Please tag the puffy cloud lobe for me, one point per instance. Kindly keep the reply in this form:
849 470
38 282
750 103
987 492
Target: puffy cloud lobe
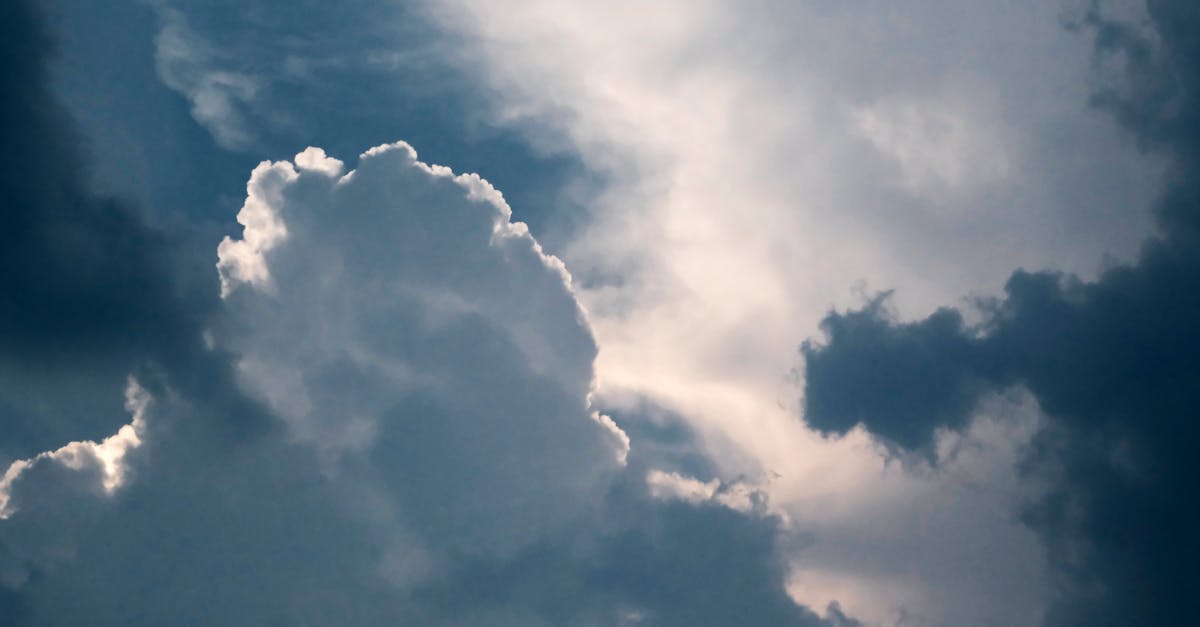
1112 362
107 456
437 337
674 486
241 261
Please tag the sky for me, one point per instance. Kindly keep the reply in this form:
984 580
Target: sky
531 312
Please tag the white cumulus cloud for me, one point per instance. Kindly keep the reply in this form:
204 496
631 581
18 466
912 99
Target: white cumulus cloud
427 372
106 457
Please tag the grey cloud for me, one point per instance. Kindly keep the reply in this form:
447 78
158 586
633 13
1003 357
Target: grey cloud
1112 362
426 370
404 315
678 564
279 541
903 380
471 383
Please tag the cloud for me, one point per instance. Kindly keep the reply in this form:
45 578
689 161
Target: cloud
433 455
761 161
441 339
1110 361
293 70
937 147
106 457
219 98
418 371
903 380
684 565
732 193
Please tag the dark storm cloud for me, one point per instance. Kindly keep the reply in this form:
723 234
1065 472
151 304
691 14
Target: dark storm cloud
903 381
1114 363
92 290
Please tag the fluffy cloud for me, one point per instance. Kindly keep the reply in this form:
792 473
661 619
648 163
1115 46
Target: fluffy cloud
107 457
437 336
432 454
386 419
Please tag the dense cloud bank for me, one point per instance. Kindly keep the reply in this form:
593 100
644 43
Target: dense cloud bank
418 373
1113 363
